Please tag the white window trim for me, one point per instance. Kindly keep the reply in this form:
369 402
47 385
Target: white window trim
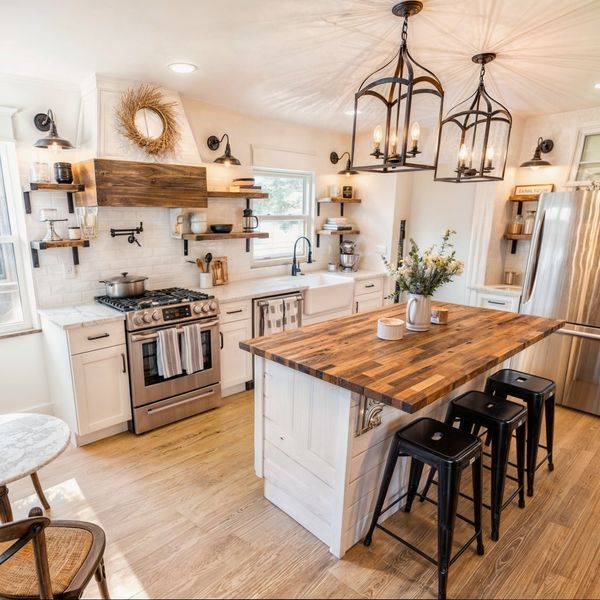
16 211
308 217
582 133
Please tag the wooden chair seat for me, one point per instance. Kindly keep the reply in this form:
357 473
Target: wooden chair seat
74 551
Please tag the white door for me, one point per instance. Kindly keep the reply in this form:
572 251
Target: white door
236 364
101 388
367 302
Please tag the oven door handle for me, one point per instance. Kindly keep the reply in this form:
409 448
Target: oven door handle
143 337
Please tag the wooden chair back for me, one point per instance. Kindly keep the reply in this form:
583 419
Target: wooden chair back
21 533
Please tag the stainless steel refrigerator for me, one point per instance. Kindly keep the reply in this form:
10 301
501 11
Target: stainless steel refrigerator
562 280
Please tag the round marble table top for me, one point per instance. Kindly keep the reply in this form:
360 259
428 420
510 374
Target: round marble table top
28 441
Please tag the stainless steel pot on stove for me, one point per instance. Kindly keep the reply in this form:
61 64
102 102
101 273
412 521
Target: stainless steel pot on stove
125 286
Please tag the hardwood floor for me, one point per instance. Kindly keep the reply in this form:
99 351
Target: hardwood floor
185 518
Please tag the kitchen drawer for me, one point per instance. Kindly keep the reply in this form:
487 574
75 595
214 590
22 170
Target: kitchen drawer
368 286
95 337
235 311
507 303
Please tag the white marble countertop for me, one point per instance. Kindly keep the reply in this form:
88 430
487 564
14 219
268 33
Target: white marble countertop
281 284
69 317
499 289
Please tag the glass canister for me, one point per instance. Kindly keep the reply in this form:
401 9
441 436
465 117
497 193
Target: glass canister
516 227
63 172
529 222
87 219
39 172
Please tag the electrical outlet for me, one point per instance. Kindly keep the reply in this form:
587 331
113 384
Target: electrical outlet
68 271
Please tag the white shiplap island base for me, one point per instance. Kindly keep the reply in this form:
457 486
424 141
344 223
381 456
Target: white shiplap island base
315 468
320 463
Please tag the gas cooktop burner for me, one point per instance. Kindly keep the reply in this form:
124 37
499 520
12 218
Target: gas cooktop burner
152 298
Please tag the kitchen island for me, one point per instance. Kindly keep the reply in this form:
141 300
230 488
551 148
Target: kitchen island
329 396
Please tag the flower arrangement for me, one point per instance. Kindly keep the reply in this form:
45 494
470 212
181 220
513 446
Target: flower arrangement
423 274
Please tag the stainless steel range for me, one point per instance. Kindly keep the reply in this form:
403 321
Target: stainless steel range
156 400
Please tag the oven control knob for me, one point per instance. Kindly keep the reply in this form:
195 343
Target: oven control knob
213 306
156 315
147 318
197 309
137 320
205 308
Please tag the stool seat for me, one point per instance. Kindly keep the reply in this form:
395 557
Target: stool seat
448 444
490 409
516 383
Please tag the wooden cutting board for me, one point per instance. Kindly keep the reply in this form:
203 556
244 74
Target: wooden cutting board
218 268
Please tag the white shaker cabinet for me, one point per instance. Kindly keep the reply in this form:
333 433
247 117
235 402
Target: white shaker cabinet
88 378
236 364
368 294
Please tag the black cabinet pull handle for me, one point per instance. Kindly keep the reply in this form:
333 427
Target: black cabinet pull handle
233 312
98 337
124 363
221 334
370 285
496 302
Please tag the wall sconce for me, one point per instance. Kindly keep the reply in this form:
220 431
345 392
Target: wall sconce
543 146
227 158
335 159
46 122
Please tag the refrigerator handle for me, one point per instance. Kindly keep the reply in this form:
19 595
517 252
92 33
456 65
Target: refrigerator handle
533 259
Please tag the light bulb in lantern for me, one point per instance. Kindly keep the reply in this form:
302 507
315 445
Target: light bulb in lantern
377 137
415 133
463 153
394 142
489 157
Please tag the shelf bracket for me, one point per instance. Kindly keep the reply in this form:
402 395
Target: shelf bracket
318 240
75 255
70 204
513 247
369 415
318 209
35 258
27 201
247 244
186 248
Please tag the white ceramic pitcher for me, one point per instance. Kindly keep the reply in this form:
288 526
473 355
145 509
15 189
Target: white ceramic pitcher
418 312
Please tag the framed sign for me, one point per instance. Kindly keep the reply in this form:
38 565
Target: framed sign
533 189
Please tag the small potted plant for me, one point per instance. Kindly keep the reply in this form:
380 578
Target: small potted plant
420 275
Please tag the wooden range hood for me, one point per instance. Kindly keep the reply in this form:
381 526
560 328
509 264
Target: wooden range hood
127 183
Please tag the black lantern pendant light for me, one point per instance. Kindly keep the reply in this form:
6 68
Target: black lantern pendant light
226 158
335 158
46 122
393 98
474 136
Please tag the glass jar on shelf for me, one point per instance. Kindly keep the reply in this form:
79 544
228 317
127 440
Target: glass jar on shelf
87 219
529 223
516 226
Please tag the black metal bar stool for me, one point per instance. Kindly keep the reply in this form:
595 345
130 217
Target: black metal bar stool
450 451
539 394
500 418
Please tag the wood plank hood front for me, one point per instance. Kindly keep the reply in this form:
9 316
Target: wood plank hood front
130 183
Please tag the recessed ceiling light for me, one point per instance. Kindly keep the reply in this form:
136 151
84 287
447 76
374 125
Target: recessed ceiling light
350 112
183 67
597 86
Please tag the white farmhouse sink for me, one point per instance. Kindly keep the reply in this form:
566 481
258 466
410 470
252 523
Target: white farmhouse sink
327 292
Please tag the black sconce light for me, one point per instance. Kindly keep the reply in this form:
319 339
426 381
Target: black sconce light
46 122
335 159
227 158
543 146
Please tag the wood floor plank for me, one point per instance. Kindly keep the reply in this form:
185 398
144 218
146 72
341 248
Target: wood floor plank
185 517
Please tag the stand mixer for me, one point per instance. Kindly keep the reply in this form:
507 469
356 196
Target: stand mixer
348 257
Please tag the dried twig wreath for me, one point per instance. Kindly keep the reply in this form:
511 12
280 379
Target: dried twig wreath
150 97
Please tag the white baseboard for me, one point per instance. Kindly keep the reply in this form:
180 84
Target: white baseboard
45 408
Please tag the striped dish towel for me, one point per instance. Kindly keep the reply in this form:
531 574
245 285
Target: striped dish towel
272 314
192 358
167 353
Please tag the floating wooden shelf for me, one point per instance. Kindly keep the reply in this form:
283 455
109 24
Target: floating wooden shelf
517 236
337 200
532 198
254 194
69 188
341 233
38 245
234 235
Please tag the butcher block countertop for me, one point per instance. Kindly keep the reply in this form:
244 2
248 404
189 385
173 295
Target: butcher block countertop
410 373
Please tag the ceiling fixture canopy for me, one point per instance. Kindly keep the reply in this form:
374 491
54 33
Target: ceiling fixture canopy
226 158
543 146
335 158
392 95
183 67
46 122
474 137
